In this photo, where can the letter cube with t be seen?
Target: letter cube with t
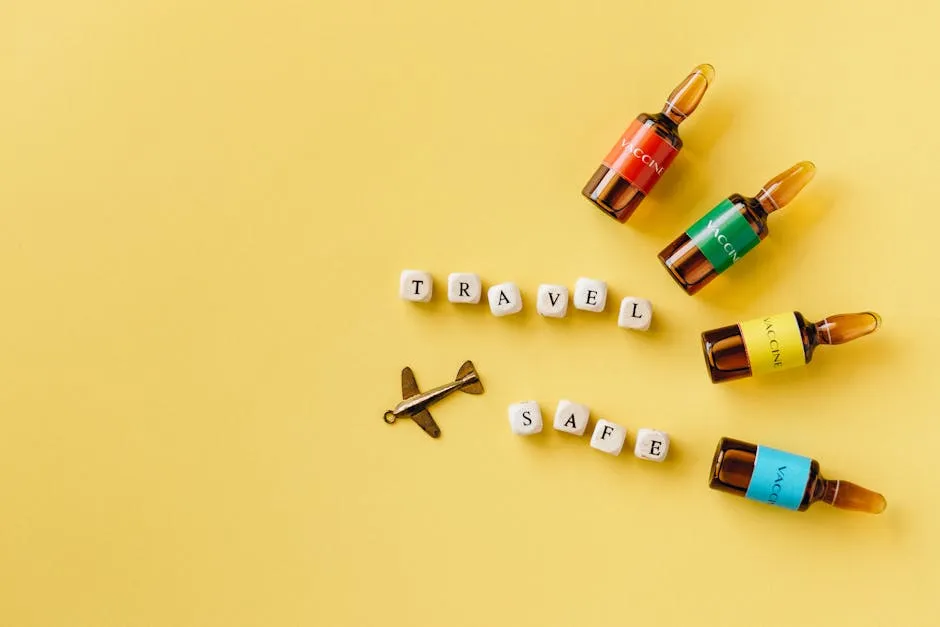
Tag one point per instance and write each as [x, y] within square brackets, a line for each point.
[415, 285]
[590, 295]
[505, 299]
[552, 301]
[651, 444]
[571, 417]
[635, 313]
[525, 418]
[464, 287]
[608, 437]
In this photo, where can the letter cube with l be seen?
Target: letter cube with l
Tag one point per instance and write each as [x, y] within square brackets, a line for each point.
[525, 418]
[635, 313]
[464, 287]
[571, 417]
[651, 444]
[590, 295]
[415, 285]
[608, 437]
[505, 299]
[552, 301]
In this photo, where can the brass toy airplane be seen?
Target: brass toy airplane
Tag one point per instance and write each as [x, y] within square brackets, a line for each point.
[415, 403]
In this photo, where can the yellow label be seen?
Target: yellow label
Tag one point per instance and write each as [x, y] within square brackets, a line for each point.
[773, 343]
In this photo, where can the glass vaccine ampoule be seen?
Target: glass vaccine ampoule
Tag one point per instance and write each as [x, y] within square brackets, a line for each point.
[725, 234]
[644, 151]
[778, 342]
[775, 477]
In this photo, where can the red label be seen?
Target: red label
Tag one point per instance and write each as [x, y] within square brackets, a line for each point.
[641, 156]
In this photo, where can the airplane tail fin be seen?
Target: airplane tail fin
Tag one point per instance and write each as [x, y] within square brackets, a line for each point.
[473, 384]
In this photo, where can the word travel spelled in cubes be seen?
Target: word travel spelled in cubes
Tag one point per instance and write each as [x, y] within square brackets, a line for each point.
[525, 418]
[505, 299]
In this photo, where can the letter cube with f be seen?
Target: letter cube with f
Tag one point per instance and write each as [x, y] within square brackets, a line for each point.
[608, 437]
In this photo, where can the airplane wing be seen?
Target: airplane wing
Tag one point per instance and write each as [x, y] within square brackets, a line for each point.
[409, 388]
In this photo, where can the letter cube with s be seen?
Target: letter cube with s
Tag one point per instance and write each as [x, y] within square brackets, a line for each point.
[525, 418]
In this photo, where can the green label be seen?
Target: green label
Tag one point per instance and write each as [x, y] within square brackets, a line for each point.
[723, 235]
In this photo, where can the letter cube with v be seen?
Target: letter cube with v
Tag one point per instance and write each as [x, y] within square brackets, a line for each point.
[590, 295]
[552, 301]
[415, 285]
[505, 299]
[571, 417]
[608, 437]
[651, 444]
[635, 313]
[464, 287]
[525, 418]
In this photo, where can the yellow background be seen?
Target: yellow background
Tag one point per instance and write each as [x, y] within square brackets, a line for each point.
[205, 209]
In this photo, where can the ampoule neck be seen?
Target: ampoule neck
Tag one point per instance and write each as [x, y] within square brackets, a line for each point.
[842, 328]
[849, 496]
[783, 188]
[688, 94]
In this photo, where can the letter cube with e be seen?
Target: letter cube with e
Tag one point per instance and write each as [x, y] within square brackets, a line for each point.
[571, 417]
[505, 299]
[635, 313]
[651, 444]
[415, 285]
[525, 418]
[552, 301]
[590, 295]
[608, 437]
[464, 287]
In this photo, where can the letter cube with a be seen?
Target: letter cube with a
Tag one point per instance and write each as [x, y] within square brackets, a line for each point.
[525, 418]
[552, 301]
[635, 313]
[651, 444]
[415, 285]
[608, 437]
[505, 299]
[571, 417]
[464, 287]
[590, 295]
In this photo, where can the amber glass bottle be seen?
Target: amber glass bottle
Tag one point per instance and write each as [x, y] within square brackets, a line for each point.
[725, 234]
[779, 478]
[778, 342]
[644, 151]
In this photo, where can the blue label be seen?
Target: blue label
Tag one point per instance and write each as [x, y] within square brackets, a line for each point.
[779, 478]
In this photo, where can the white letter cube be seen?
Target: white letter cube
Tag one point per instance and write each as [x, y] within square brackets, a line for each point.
[590, 295]
[635, 313]
[552, 301]
[525, 418]
[608, 437]
[651, 444]
[415, 285]
[505, 299]
[464, 287]
[571, 417]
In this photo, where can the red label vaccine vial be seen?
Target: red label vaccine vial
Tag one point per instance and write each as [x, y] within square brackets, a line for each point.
[645, 150]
